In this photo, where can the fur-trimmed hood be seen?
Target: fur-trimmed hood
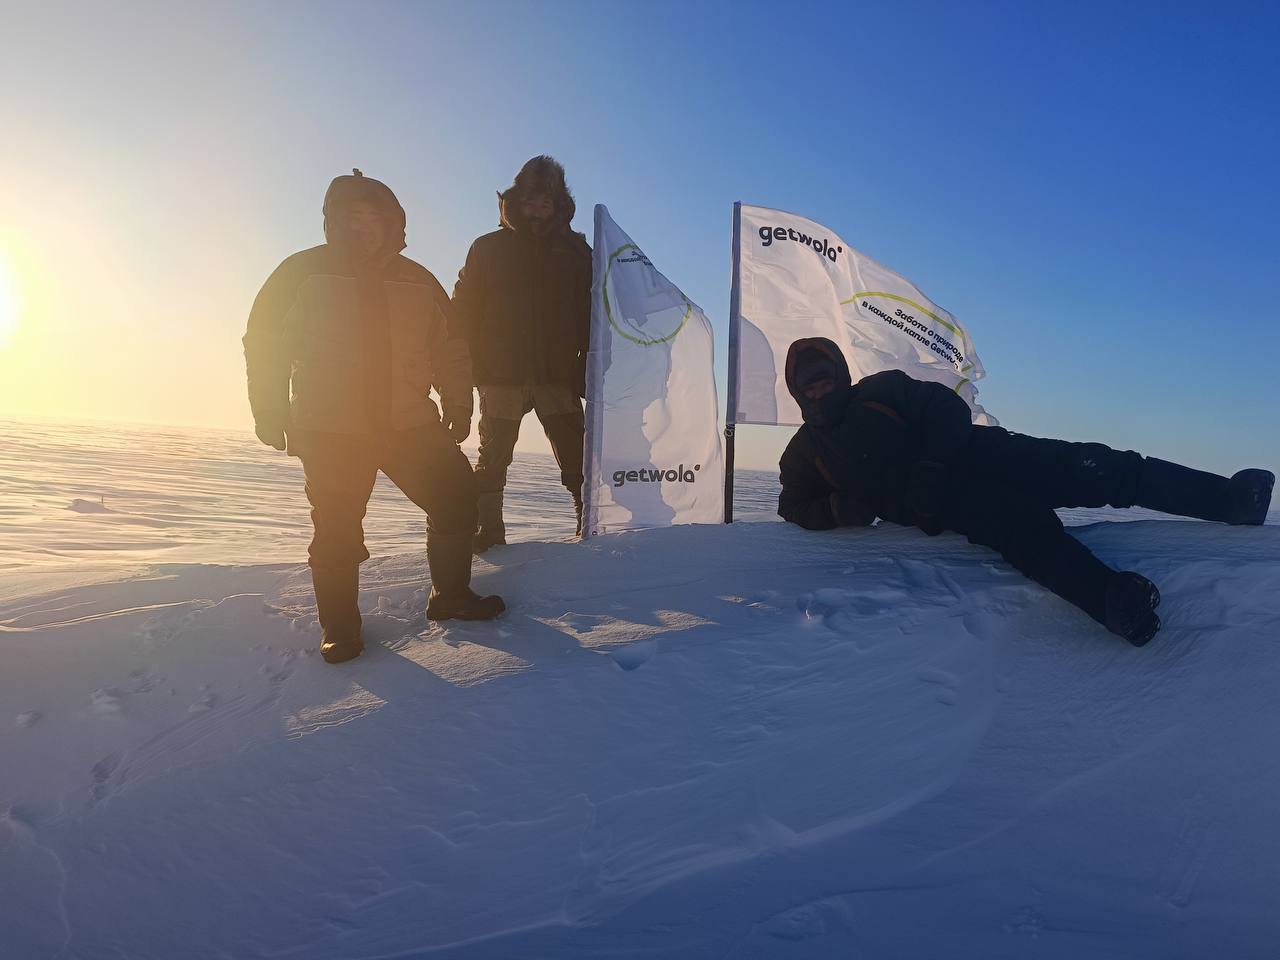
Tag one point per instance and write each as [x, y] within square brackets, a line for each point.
[542, 173]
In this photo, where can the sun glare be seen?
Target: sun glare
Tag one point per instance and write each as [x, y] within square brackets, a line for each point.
[8, 301]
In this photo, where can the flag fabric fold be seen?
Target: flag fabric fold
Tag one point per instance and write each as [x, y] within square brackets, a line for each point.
[652, 450]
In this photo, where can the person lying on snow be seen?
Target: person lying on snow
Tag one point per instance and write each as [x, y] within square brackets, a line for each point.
[360, 333]
[905, 450]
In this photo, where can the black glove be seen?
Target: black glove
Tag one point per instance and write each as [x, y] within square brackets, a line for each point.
[271, 434]
[457, 421]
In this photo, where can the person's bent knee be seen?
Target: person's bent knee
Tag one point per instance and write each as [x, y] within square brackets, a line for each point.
[454, 519]
[324, 554]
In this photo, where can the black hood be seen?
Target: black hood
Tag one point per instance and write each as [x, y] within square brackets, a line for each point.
[357, 188]
[817, 358]
[541, 174]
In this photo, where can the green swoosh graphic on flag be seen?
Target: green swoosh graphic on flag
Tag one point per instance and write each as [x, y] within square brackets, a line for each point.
[608, 311]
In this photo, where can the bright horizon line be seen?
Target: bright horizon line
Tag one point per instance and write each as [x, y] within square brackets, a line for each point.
[470, 443]
[77, 420]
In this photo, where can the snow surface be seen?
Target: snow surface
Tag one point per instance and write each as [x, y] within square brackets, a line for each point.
[744, 741]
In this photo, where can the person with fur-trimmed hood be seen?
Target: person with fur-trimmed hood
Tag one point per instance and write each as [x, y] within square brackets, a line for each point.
[905, 450]
[344, 343]
[524, 301]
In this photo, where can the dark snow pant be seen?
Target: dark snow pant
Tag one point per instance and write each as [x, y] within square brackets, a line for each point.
[559, 410]
[1057, 473]
[340, 472]
[1008, 487]
[1027, 533]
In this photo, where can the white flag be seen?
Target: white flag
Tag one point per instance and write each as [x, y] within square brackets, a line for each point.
[653, 441]
[796, 278]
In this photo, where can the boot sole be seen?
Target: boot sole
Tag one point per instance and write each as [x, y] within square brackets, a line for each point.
[1259, 484]
[1142, 624]
[1143, 635]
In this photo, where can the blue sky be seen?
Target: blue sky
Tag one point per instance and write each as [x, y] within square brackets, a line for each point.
[1090, 188]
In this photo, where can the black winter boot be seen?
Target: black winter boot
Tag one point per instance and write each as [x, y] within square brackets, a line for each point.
[337, 593]
[1249, 497]
[492, 531]
[1131, 603]
[449, 558]
[577, 511]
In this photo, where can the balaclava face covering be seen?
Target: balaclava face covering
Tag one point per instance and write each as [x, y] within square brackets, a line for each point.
[810, 361]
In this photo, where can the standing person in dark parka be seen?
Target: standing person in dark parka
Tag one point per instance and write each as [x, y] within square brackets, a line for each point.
[905, 450]
[524, 299]
[361, 334]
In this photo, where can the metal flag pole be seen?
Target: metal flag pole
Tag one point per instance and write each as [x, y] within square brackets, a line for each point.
[594, 407]
[731, 405]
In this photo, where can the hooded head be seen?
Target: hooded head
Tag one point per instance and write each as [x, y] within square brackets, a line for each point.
[539, 200]
[363, 218]
[818, 378]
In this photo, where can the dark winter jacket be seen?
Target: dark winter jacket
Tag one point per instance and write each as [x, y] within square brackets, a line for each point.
[524, 299]
[340, 343]
[887, 454]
